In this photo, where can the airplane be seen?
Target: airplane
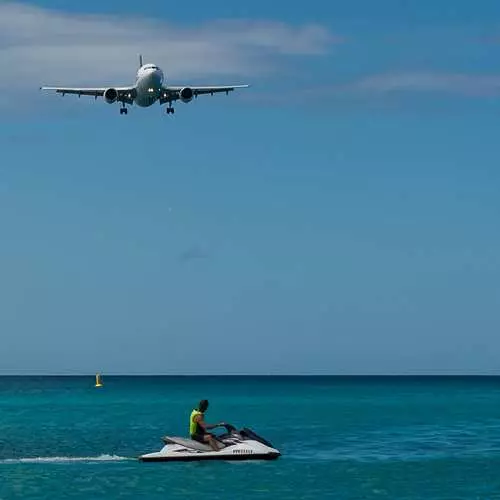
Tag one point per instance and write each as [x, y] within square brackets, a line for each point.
[149, 88]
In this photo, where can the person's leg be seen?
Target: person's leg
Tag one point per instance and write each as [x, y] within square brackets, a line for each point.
[210, 439]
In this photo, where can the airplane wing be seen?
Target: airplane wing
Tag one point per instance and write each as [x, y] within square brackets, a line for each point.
[172, 93]
[125, 94]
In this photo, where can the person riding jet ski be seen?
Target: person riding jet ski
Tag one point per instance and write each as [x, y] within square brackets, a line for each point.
[198, 427]
[243, 444]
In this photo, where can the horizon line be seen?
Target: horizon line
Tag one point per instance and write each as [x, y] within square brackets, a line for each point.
[257, 375]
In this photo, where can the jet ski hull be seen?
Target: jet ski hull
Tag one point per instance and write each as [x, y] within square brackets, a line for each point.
[196, 457]
[234, 449]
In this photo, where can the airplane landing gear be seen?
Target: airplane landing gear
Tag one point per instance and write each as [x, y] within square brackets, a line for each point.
[123, 111]
[170, 110]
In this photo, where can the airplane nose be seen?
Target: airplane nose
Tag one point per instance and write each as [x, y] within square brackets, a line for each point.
[155, 77]
[159, 76]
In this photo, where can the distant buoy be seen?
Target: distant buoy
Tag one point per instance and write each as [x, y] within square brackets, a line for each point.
[98, 382]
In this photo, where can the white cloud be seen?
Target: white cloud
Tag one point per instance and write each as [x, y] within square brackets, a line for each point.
[382, 86]
[453, 83]
[45, 47]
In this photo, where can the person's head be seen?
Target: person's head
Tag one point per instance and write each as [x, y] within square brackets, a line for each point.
[203, 406]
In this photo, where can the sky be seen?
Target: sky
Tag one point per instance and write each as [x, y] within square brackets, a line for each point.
[340, 216]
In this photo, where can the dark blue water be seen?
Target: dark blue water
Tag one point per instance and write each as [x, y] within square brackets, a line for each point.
[343, 438]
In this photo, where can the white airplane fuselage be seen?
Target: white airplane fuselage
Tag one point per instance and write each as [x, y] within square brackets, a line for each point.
[148, 85]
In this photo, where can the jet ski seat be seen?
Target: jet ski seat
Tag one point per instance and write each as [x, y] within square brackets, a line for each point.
[189, 443]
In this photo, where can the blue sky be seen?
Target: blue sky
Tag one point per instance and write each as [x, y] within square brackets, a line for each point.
[340, 216]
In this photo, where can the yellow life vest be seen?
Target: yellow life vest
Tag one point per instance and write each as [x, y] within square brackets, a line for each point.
[193, 426]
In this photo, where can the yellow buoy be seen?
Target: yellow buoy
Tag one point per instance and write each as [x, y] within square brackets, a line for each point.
[98, 382]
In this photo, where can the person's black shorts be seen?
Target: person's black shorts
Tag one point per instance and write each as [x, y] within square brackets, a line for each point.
[199, 437]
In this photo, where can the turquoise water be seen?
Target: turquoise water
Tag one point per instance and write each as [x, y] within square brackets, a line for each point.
[341, 438]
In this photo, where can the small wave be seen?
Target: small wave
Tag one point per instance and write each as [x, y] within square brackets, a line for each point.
[56, 460]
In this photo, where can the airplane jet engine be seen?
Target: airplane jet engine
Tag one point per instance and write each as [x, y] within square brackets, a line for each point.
[110, 95]
[186, 94]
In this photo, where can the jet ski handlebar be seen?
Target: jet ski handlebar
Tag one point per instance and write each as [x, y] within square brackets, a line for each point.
[229, 428]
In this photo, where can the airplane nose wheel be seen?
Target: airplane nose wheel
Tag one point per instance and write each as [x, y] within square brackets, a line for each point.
[123, 111]
[170, 110]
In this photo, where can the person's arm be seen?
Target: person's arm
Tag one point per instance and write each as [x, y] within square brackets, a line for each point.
[199, 420]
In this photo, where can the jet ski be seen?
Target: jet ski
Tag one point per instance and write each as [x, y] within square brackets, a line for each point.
[244, 444]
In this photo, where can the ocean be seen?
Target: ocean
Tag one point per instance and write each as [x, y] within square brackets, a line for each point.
[345, 438]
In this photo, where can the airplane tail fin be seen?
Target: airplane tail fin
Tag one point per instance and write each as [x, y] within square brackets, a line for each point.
[140, 60]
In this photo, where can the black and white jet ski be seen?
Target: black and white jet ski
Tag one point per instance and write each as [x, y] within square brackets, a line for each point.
[234, 445]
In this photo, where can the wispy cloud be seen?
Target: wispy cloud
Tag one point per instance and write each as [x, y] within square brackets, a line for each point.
[383, 86]
[42, 46]
[451, 83]
[195, 252]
